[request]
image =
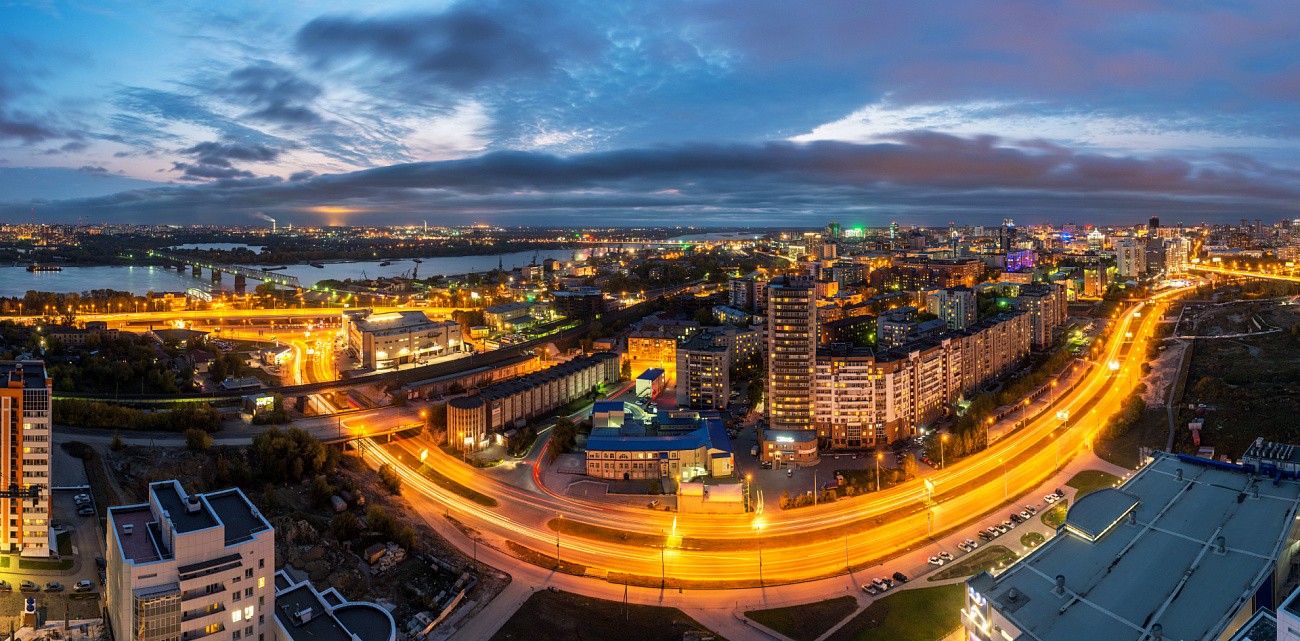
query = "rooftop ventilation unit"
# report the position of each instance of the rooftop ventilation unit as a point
(127, 529)
(192, 505)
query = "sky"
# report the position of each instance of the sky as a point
(629, 113)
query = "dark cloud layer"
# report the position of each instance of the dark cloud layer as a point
(925, 174)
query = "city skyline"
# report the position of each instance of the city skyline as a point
(708, 114)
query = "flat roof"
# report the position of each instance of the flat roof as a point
(394, 321)
(237, 514)
(1097, 512)
(138, 546)
(33, 372)
(330, 618)
(169, 498)
(1164, 567)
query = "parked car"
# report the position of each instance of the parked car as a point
(654, 505)
(82, 498)
(994, 531)
(946, 556)
(28, 586)
(971, 543)
(1030, 509)
(82, 586)
(53, 586)
(1025, 515)
(985, 535)
(789, 472)
(870, 589)
(900, 577)
(880, 584)
(1050, 498)
(1009, 525)
(5, 586)
(1015, 518)
(86, 511)
(101, 562)
(964, 547)
(934, 560)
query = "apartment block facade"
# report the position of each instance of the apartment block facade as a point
(184, 567)
(791, 349)
(864, 398)
(498, 407)
(956, 306)
(1047, 309)
(25, 429)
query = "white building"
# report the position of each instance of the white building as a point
(1130, 258)
(185, 567)
(387, 340)
(25, 420)
(1178, 256)
(304, 614)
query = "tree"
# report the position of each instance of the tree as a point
(625, 372)
(564, 436)
(390, 479)
(118, 444)
(321, 491)
(909, 466)
(197, 440)
(345, 526)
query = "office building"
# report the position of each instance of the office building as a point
(182, 567)
(1130, 258)
(791, 348)
(391, 339)
(619, 448)
(956, 307)
(789, 448)
(25, 415)
(510, 404)
(1187, 548)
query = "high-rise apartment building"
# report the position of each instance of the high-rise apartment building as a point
(1178, 256)
(182, 567)
(1130, 258)
(956, 306)
(703, 372)
(791, 349)
(25, 427)
(1047, 308)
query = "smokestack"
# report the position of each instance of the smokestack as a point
(272, 225)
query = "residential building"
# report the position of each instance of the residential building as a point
(894, 326)
(924, 273)
(1178, 256)
(1047, 308)
(956, 307)
(703, 372)
(25, 464)
(631, 452)
(748, 293)
(1130, 258)
(859, 330)
(391, 339)
(500, 317)
(181, 567)
(733, 316)
(1187, 548)
(303, 613)
(579, 302)
(791, 448)
(791, 348)
(871, 398)
(652, 348)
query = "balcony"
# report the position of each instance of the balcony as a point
(199, 613)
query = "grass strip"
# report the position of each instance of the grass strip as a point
(1055, 517)
(547, 561)
(1032, 539)
(805, 622)
(1092, 480)
(975, 562)
(925, 614)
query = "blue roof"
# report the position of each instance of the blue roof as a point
(718, 435)
(607, 406)
(651, 374)
(713, 434)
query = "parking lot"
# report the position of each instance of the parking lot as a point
(77, 540)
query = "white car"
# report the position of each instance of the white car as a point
(946, 556)
(934, 560)
(870, 589)
(1050, 498)
(965, 547)
(970, 543)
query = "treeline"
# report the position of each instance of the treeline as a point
(82, 413)
(1130, 412)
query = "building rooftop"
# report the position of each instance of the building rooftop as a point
(237, 514)
(1201, 539)
(139, 545)
(650, 374)
(309, 615)
(32, 372)
(172, 500)
(403, 321)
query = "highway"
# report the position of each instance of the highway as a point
(805, 543)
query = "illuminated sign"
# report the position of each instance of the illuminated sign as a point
(784, 439)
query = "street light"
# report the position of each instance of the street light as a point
(758, 527)
(878, 457)
(942, 439)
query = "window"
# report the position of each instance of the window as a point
(248, 592)
(261, 582)
(236, 635)
(234, 596)
(248, 613)
(261, 563)
(236, 615)
(248, 574)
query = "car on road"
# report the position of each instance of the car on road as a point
(934, 560)
(53, 586)
(900, 577)
(28, 586)
(654, 505)
(82, 586)
(870, 589)
(789, 472)
(946, 556)
(5, 586)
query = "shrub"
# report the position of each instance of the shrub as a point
(197, 440)
(390, 479)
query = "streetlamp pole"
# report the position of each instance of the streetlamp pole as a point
(815, 490)
(878, 457)
(942, 439)
(759, 526)
(558, 526)
(663, 577)
(1006, 493)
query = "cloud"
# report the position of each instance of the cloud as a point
(92, 169)
(276, 95)
(926, 174)
(212, 160)
(461, 49)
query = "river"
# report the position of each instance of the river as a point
(140, 280)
